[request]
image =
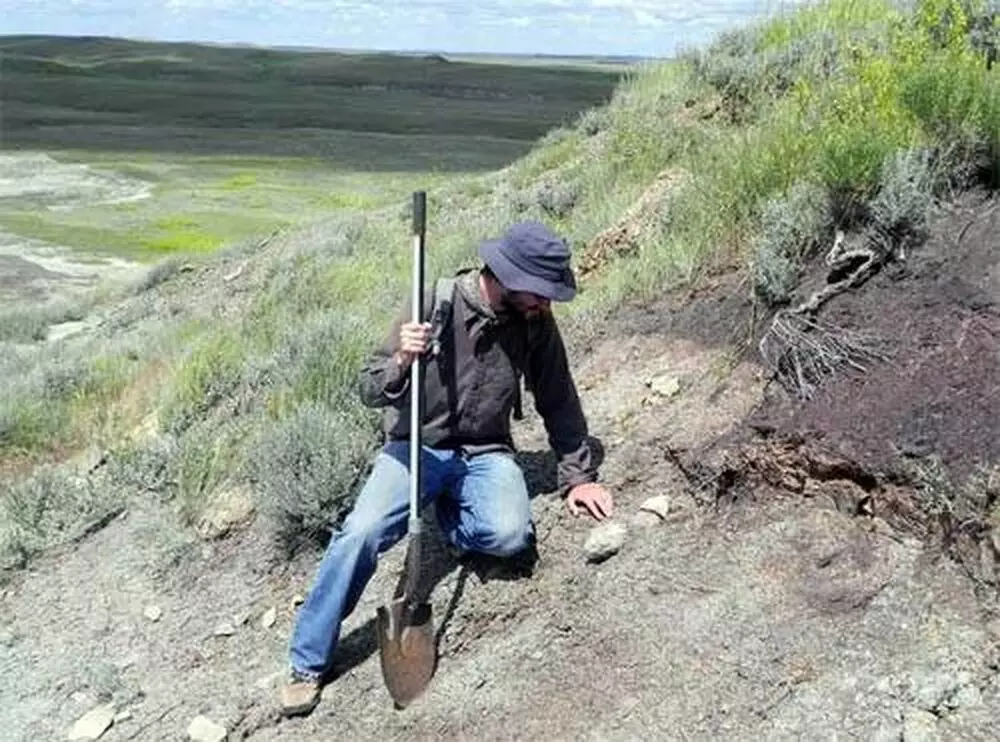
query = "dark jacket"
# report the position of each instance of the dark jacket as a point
(470, 385)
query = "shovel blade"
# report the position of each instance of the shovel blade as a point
(407, 649)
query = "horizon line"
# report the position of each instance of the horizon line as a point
(335, 49)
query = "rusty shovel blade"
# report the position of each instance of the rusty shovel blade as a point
(407, 648)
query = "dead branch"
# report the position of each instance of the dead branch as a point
(802, 351)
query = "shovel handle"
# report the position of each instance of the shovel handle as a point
(416, 368)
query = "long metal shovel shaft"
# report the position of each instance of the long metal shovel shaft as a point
(416, 368)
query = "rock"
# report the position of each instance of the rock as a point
(604, 541)
(665, 385)
(228, 509)
(297, 600)
(147, 429)
(967, 697)
(94, 723)
(920, 726)
(122, 716)
(224, 629)
(203, 729)
(933, 691)
(235, 273)
(63, 330)
(269, 617)
(661, 505)
(629, 705)
(153, 613)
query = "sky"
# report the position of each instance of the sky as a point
(653, 28)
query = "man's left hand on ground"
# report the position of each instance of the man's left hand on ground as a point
(592, 496)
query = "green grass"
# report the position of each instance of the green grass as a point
(886, 93)
(201, 203)
(781, 127)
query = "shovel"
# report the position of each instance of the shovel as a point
(405, 627)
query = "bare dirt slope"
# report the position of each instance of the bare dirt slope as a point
(782, 597)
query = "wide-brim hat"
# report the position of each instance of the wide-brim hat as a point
(531, 257)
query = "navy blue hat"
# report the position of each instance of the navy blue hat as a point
(530, 257)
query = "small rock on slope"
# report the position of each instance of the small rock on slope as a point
(203, 729)
(604, 541)
(661, 505)
(93, 724)
(920, 726)
(269, 617)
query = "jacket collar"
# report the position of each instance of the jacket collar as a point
(481, 312)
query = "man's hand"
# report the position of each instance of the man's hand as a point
(414, 339)
(594, 497)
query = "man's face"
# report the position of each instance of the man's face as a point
(527, 304)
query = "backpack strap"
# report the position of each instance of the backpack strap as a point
(444, 296)
(518, 412)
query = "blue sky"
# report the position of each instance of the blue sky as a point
(643, 27)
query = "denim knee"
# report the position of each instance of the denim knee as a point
(503, 538)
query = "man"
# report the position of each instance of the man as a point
(500, 328)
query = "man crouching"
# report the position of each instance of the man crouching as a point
(499, 327)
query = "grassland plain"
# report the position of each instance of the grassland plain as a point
(241, 371)
(56, 89)
(236, 142)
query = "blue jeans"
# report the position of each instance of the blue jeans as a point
(484, 508)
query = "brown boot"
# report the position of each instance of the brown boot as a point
(299, 695)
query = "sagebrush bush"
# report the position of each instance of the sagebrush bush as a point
(747, 73)
(307, 467)
(143, 467)
(158, 274)
(791, 228)
(901, 209)
(23, 326)
(47, 508)
(593, 121)
(31, 324)
(34, 406)
(556, 198)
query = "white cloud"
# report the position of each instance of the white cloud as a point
(645, 18)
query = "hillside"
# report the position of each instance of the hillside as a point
(787, 331)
